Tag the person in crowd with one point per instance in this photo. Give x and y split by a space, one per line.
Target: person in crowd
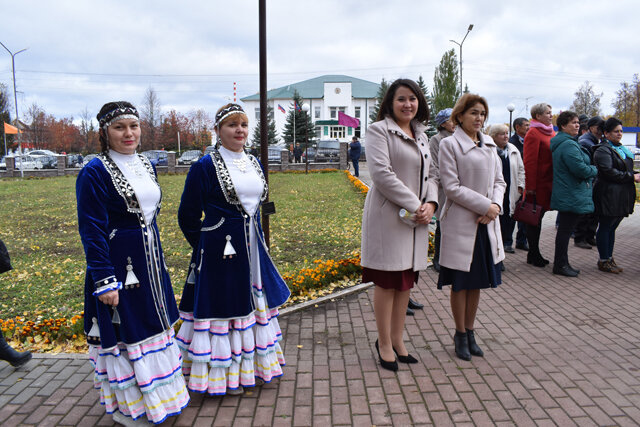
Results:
470 248
614 191
538 168
355 149
572 194
15 358
445 128
230 337
130 309
513 175
297 153
585 232
521 127
397 211
583 119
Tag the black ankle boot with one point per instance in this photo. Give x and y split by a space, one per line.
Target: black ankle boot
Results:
462 345
15 358
474 349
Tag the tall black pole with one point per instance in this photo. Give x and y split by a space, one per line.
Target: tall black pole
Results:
264 130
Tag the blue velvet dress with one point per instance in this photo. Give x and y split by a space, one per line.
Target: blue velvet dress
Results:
230 334
137 365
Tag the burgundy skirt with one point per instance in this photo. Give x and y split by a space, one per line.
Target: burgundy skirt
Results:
398 280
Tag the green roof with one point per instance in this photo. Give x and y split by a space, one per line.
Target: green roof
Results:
314 88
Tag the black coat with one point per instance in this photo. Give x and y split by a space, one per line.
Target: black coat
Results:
5 261
614 191
515 140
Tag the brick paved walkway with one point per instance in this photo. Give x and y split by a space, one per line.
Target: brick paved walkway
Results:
559 351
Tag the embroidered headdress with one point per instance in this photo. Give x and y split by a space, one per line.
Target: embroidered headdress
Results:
114 111
226 112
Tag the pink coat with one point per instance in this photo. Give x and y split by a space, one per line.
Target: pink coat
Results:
471 177
399 167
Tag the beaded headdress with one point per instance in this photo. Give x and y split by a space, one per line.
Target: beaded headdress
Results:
226 112
120 111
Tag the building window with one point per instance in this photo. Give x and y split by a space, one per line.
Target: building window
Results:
333 112
357 112
257 113
371 110
316 112
318 131
336 132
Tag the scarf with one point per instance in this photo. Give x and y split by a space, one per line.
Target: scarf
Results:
621 150
545 129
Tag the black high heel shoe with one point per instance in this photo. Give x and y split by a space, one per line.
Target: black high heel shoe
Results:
405 359
391 366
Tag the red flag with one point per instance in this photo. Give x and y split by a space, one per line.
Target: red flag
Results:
10 130
347 121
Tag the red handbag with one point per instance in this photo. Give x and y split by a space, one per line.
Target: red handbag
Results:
528 212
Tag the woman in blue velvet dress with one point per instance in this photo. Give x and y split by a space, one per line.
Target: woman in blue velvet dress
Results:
129 303
230 335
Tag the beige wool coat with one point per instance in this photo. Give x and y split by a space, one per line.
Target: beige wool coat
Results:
399 169
471 177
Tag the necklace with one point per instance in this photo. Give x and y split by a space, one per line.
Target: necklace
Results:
241 164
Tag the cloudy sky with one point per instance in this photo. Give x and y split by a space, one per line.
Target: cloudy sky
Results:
82 54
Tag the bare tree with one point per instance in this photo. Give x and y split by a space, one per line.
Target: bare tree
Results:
38 125
586 101
150 118
201 127
86 128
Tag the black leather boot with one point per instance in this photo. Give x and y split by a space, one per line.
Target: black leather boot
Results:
415 305
462 345
15 358
474 349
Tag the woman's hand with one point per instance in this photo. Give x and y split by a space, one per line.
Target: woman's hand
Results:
425 213
110 298
493 212
483 220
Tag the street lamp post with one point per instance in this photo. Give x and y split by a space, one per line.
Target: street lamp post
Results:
460 44
305 108
510 107
15 100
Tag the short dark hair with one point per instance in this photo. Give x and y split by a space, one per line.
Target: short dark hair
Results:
611 124
467 101
386 107
564 118
519 121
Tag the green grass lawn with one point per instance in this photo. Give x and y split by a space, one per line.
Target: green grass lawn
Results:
318 217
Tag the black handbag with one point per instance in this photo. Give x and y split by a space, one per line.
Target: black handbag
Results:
5 260
528 212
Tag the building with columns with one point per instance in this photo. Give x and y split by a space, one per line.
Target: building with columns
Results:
325 96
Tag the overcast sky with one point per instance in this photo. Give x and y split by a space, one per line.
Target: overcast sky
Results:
83 54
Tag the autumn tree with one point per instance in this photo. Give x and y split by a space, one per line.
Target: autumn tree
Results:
304 127
88 133
586 101
445 82
150 119
272 135
382 90
202 128
37 121
627 104
176 126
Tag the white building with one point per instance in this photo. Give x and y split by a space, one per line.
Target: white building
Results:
325 96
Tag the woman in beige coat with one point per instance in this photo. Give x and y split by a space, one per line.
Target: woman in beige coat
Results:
397 211
471 243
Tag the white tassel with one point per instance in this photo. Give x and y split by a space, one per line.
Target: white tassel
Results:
131 279
229 251
116 317
94 332
192 275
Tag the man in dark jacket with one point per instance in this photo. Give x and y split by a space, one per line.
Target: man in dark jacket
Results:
585 233
521 126
355 149
297 153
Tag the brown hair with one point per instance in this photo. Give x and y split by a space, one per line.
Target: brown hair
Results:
466 102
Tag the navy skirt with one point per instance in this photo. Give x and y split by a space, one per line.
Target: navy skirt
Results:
484 273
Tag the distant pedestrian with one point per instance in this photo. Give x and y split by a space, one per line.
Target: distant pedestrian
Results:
538 168
471 247
297 153
521 127
355 149
572 194
397 212
614 191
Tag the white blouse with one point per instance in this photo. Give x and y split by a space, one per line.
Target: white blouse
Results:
146 189
245 178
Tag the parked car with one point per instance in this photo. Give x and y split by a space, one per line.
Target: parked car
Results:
328 151
311 151
28 162
189 157
88 158
157 157
41 153
274 154
209 149
47 161
3 163
74 160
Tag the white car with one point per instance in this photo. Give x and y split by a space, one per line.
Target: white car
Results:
28 162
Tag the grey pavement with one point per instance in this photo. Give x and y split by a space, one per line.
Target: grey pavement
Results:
558 351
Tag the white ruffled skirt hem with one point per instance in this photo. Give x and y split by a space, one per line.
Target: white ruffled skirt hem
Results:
144 378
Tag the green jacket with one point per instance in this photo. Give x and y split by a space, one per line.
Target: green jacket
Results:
572 176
